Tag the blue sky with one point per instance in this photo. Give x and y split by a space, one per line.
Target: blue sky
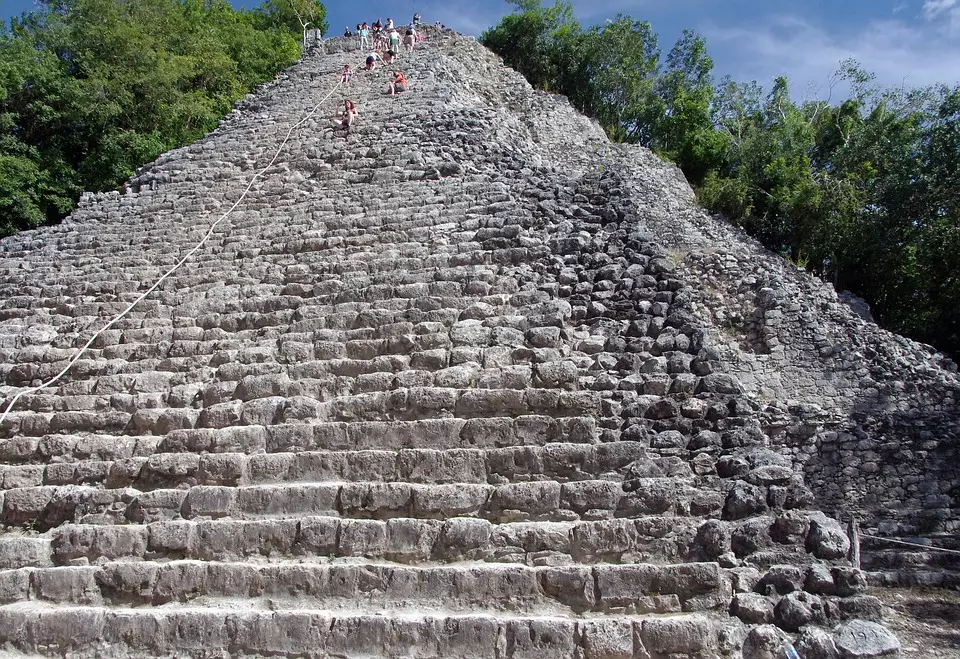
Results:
913 42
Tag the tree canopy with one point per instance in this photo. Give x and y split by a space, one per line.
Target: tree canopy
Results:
92 89
861 192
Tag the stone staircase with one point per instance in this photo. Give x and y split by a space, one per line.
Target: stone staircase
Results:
431 391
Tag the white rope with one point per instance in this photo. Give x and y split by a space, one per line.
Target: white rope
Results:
912 544
76 357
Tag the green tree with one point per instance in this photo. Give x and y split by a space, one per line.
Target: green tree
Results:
527 40
620 64
92 89
684 130
297 15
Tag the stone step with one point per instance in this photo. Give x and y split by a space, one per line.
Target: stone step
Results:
47 506
443 433
19 551
487 587
402 404
400 540
321 381
915 576
191 632
559 462
908 558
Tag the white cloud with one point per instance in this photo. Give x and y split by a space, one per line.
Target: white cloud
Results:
932 8
945 13
898 53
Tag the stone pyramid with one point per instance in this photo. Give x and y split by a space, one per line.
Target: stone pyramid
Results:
468 381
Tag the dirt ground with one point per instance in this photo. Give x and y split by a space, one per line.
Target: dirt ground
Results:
927 620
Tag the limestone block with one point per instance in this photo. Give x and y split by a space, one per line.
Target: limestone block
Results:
591 499
222 469
764 642
90 542
19 552
362 538
648 496
859 639
534 499
623 586
14 585
470 637
318 535
607 639
750 536
827 539
195 630
409 541
462 536
156 505
171 469
744 500
375 500
541 639
26 504
752 608
263 411
209 501
75 585
269 468
169 537
288 500
288 633
799 609
815 643
66 629
571 586
690 634
452 466
22 476
441 501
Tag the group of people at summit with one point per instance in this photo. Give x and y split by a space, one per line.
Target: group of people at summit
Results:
382 42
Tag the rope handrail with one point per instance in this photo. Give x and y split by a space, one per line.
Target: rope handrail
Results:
911 544
76 357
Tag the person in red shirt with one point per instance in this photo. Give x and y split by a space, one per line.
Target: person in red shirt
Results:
398 84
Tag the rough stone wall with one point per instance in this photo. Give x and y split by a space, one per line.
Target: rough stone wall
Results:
469 381
872 418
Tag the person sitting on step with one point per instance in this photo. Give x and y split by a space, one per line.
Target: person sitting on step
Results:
347 75
398 84
416 19
347 115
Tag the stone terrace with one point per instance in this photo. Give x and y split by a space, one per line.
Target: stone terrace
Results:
442 387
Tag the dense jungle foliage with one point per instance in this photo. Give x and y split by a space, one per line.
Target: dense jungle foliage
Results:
92 89
864 192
